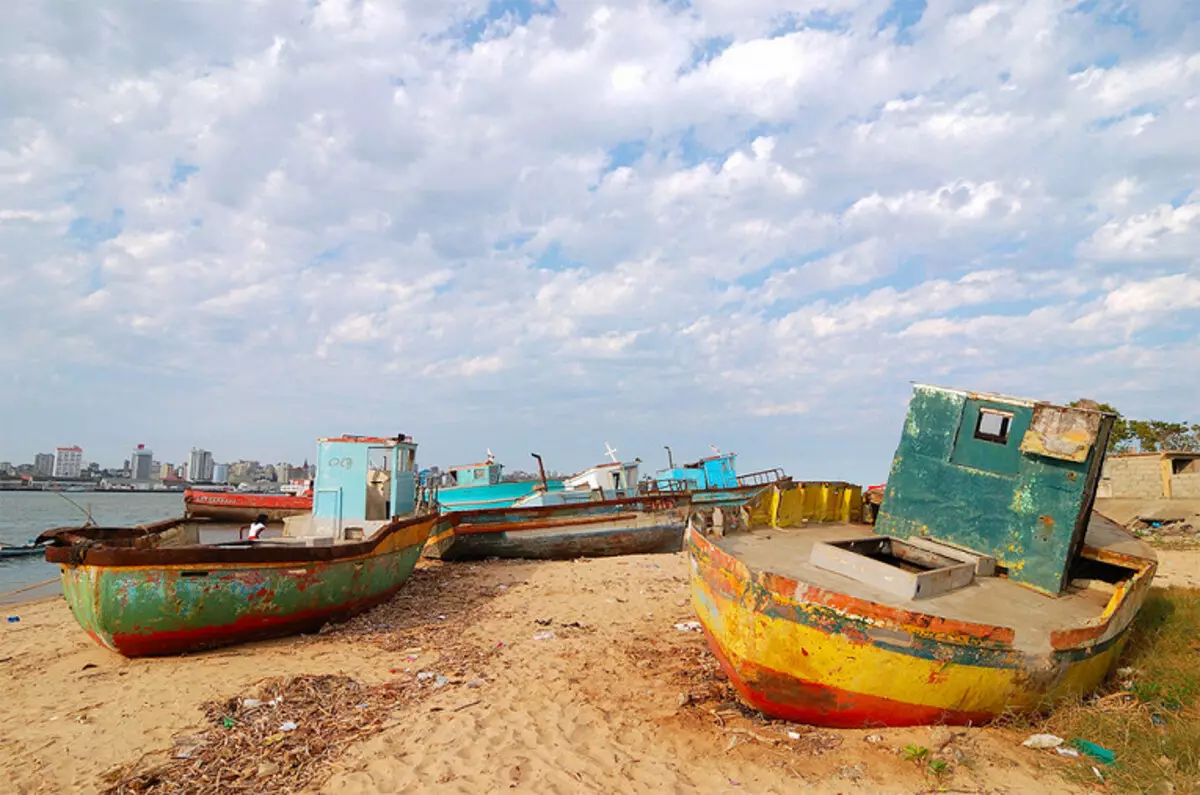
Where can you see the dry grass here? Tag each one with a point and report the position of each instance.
(1147, 716)
(275, 741)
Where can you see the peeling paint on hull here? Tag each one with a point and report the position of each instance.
(630, 526)
(806, 654)
(151, 610)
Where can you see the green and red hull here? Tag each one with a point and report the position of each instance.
(162, 601)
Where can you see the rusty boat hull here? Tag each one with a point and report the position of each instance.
(231, 506)
(805, 645)
(630, 526)
(137, 594)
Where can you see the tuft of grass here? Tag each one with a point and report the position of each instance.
(1155, 730)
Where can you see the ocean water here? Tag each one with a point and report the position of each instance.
(26, 514)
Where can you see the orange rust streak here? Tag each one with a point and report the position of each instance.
(895, 618)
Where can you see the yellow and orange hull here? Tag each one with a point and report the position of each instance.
(811, 655)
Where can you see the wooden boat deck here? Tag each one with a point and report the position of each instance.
(987, 600)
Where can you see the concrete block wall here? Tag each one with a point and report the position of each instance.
(1133, 477)
(1186, 486)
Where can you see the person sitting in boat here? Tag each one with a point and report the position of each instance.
(259, 525)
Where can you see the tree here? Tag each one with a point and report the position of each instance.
(1145, 436)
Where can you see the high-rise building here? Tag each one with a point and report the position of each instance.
(140, 463)
(43, 464)
(68, 461)
(165, 471)
(220, 473)
(200, 465)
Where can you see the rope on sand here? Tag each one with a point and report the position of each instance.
(28, 588)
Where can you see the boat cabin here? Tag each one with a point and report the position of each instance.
(362, 482)
(486, 473)
(613, 476)
(1003, 478)
(714, 472)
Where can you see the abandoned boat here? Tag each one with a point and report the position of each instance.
(987, 584)
(713, 481)
(20, 550)
(235, 506)
(177, 586)
(475, 486)
(610, 480)
(626, 526)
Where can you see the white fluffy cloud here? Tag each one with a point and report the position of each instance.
(541, 226)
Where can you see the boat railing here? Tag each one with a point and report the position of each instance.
(667, 486)
(762, 478)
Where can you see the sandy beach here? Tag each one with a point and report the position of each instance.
(499, 676)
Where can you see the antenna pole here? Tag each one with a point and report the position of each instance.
(670, 458)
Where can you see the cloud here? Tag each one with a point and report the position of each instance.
(514, 224)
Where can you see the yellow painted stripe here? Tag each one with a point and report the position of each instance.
(836, 661)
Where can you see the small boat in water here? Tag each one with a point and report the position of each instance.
(20, 551)
(986, 586)
(158, 589)
(238, 506)
(626, 526)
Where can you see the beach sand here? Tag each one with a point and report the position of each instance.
(558, 677)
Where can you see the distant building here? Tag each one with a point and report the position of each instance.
(200, 465)
(43, 464)
(68, 461)
(141, 464)
(7, 469)
(220, 473)
(166, 471)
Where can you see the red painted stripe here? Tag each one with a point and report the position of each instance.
(224, 499)
(248, 628)
(784, 696)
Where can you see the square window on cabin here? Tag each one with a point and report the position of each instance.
(992, 426)
(478, 473)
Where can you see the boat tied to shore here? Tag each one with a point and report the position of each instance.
(174, 587)
(987, 584)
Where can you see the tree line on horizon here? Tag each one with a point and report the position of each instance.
(1147, 436)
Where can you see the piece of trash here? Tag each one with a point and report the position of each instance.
(424, 675)
(476, 683)
(874, 738)
(251, 703)
(267, 769)
(1158, 720)
(1124, 672)
(1071, 752)
(441, 681)
(441, 618)
(13, 619)
(547, 635)
(228, 723)
(1097, 752)
(794, 735)
(277, 700)
(543, 622)
(287, 726)
(685, 699)
(499, 644)
(1098, 774)
(502, 587)
(1043, 741)
(688, 626)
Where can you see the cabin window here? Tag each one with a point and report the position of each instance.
(992, 426)
(479, 473)
(616, 480)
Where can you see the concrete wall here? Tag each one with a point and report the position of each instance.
(1185, 486)
(1132, 477)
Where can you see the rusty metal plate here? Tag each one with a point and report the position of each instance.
(1063, 433)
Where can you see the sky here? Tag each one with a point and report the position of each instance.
(542, 227)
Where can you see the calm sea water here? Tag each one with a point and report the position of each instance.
(25, 514)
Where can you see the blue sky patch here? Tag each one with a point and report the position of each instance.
(902, 14)
(91, 232)
(181, 172)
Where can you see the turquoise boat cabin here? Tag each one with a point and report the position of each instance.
(362, 482)
(481, 485)
(1002, 477)
(715, 472)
